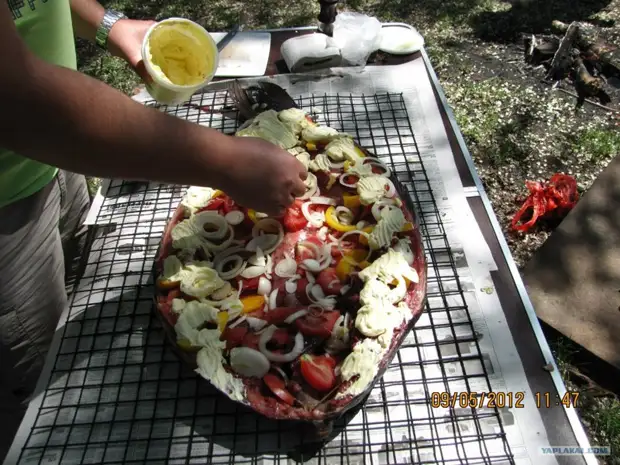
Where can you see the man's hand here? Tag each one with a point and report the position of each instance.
(125, 41)
(262, 176)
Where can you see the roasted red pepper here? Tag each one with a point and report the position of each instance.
(553, 199)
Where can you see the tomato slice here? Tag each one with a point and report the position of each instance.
(318, 371)
(251, 340)
(214, 204)
(276, 385)
(294, 220)
(234, 336)
(300, 292)
(277, 315)
(315, 325)
(250, 286)
(329, 281)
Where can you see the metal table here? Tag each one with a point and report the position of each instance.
(113, 348)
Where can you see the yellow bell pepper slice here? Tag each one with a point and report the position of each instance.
(351, 201)
(360, 152)
(310, 146)
(408, 226)
(217, 193)
(364, 264)
(252, 215)
(332, 221)
(252, 303)
(395, 282)
(367, 229)
(343, 269)
(222, 319)
(185, 345)
(167, 284)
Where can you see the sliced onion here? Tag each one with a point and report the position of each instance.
(322, 234)
(295, 315)
(381, 165)
(249, 362)
(238, 267)
(273, 297)
(269, 266)
(226, 253)
(391, 192)
(314, 218)
(362, 224)
(338, 323)
(253, 272)
(280, 358)
(281, 373)
(341, 249)
(313, 246)
(261, 225)
(258, 259)
(264, 286)
(238, 321)
(222, 292)
(323, 201)
(345, 289)
(333, 283)
(290, 286)
(311, 265)
(342, 181)
(256, 323)
(311, 187)
(337, 165)
(287, 267)
(266, 242)
(347, 319)
(211, 218)
(234, 217)
(344, 215)
(377, 208)
(310, 277)
(317, 293)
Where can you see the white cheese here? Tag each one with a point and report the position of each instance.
(185, 236)
(320, 163)
(392, 221)
(371, 189)
(343, 148)
(178, 305)
(196, 198)
(210, 363)
(304, 158)
(363, 361)
(194, 315)
(403, 246)
(318, 134)
(295, 119)
(360, 169)
(389, 266)
(267, 125)
(199, 279)
(172, 268)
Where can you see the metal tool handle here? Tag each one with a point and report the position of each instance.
(327, 16)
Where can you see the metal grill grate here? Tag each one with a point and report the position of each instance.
(118, 394)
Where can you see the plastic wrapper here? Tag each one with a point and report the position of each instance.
(358, 36)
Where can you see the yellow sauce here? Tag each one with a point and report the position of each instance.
(180, 54)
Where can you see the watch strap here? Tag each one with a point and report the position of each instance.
(110, 17)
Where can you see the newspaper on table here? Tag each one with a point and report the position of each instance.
(140, 219)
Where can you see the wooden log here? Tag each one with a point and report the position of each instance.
(588, 85)
(594, 46)
(563, 58)
(539, 49)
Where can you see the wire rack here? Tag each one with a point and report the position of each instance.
(118, 394)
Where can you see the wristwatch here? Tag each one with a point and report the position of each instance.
(110, 17)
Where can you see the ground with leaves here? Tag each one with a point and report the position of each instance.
(516, 128)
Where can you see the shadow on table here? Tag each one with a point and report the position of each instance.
(118, 390)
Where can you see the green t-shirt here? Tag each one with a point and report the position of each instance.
(47, 29)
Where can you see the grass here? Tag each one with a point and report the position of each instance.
(515, 128)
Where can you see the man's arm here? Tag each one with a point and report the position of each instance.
(86, 15)
(64, 118)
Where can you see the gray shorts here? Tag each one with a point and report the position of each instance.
(41, 240)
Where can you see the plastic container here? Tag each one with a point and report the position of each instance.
(160, 87)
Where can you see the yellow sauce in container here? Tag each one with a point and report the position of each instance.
(180, 57)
